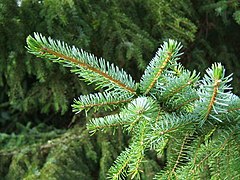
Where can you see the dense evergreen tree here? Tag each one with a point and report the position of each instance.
(36, 94)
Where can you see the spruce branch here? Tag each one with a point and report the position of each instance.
(110, 121)
(181, 154)
(176, 85)
(160, 113)
(233, 110)
(118, 170)
(212, 148)
(129, 161)
(106, 100)
(142, 108)
(167, 126)
(182, 101)
(86, 65)
(139, 146)
(214, 94)
(166, 56)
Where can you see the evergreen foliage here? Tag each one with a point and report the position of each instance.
(47, 156)
(35, 95)
(198, 135)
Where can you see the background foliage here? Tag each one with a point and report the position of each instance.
(36, 95)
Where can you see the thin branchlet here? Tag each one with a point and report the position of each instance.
(213, 98)
(86, 66)
(161, 69)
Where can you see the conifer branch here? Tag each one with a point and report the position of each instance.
(214, 94)
(84, 64)
(177, 91)
(166, 55)
(161, 68)
(139, 145)
(181, 153)
(167, 125)
(161, 112)
(213, 147)
(130, 160)
(118, 170)
(185, 103)
(234, 104)
(179, 149)
(110, 121)
(139, 109)
(213, 98)
(176, 85)
(233, 110)
(108, 101)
